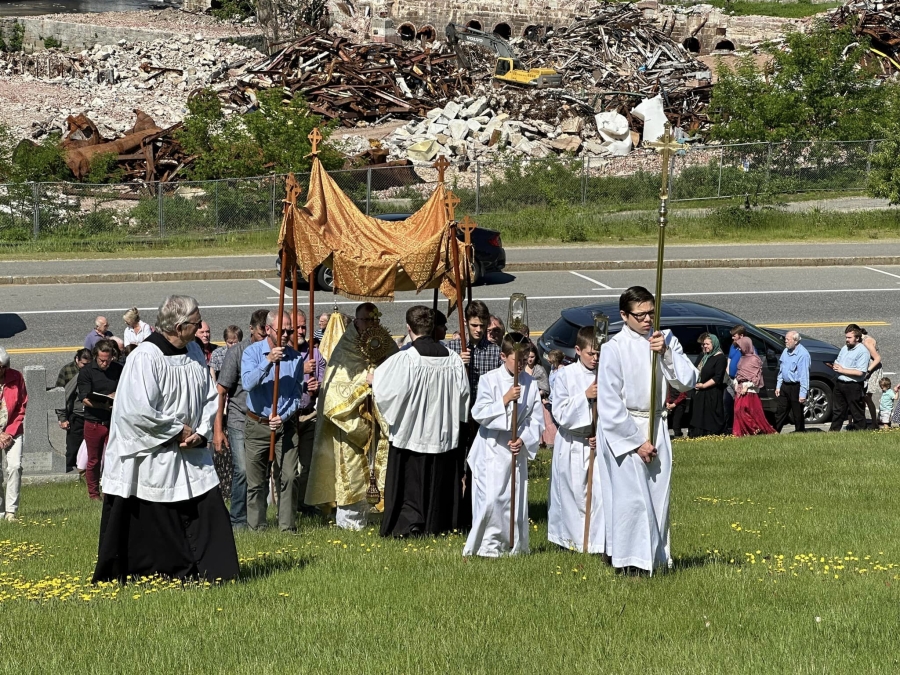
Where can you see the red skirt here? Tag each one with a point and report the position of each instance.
(749, 418)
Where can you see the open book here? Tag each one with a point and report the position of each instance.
(101, 401)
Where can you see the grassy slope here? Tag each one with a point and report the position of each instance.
(786, 10)
(337, 602)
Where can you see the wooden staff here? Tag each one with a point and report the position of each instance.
(454, 253)
(590, 478)
(309, 322)
(296, 340)
(285, 263)
(514, 430)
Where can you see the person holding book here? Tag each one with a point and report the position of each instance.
(97, 384)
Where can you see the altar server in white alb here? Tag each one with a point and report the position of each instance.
(491, 455)
(423, 395)
(635, 473)
(574, 396)
(163, 512)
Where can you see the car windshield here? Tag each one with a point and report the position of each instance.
(562, 333)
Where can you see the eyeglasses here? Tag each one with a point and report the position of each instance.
(284, 331)
(197, 324)
(640, 316)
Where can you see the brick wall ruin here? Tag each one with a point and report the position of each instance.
(701, 29)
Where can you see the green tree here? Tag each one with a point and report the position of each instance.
(816, 88)
(270, 139)
(884, 177)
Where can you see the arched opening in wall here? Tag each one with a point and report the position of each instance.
(503, 30)
(407, 31)
(692, 44)
(474, 23)
(724, 46)
(427, 34)
(532, 33)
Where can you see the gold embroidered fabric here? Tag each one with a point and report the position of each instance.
(339, 470)
(371, 258)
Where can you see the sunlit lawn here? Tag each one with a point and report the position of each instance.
(786, 556)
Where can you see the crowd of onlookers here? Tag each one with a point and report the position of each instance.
(725, 400)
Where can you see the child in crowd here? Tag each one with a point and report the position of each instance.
(887, 402)
(494, 450)
(555, 359)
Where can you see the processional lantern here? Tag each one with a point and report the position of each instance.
(601, 330)
(518, 313)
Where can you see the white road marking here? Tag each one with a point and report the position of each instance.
(268, 285)
(427, 301)
(890, 274)
(593, 281)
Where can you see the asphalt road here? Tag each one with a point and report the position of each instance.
(41, 325)
(519, 254)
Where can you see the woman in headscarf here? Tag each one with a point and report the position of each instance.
(749, 418)
(707, 404)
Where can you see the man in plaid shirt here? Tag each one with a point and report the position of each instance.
(479, 355)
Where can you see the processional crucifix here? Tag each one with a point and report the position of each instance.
(666, 146)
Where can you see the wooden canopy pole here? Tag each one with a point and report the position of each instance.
(452, 201)
(285, 263)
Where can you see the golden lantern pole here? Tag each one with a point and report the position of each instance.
(517, 319)
(601, 334)
(666, 146)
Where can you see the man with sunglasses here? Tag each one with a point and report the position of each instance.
(635, 469)
(258, 378)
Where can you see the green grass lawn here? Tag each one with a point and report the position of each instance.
(786, 553)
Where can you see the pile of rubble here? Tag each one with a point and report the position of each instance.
(474, 127)
(355, 83)
(107, 82)
(615, 58)
(879, 22)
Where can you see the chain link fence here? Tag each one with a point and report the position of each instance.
(158, 211)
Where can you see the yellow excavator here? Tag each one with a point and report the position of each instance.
(509, 68)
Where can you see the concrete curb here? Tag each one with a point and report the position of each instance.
(269, 273)
(133, 277)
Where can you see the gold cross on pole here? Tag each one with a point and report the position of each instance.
(467, 225)
(441, 165)
(451, 201)
(314, 137)
(666, 146)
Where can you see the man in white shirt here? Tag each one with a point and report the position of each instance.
(163, 512)
(636, 471)
(422, 394)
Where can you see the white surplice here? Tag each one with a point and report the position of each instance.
(635, 494)
(423, 399)
(569, 470)
(491, 463)
(157, 394)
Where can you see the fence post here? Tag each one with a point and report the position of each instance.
(585, 164)
(768, 166)
(216, 226)
(477, 187)
(160, 209)
(36, 200)
(272, 215)
(721, 161)
(869, 157)
(368, 189)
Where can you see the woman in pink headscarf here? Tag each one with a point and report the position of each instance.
(749, 418)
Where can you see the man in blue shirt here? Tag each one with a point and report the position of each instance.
(850, 366)
(734, 355)
(793, 383)
(258, 379)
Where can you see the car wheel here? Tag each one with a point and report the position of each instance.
(477, 273)
(818, 403)
(325, 279)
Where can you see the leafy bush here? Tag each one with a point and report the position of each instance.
(52, 43)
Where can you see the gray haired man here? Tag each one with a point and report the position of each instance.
(792, 386)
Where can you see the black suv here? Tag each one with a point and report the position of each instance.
(490, 256)
(688, 321)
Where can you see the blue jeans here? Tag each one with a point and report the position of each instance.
(238, 508)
